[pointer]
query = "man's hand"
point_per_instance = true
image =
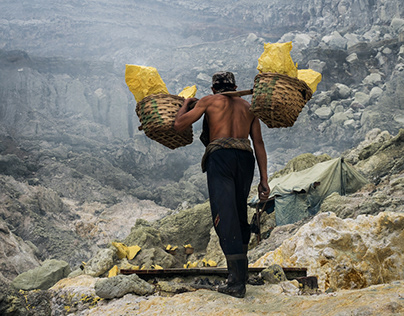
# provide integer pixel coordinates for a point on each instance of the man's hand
(185, 117)
(189, 103)
(263, 191)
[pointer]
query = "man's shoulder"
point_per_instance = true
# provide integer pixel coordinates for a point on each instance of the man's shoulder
(211, 97)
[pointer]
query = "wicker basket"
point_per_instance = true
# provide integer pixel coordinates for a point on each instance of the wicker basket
(278, 99)
(157, 115)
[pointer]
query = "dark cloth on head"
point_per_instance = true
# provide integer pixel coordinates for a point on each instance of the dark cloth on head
(223, 81)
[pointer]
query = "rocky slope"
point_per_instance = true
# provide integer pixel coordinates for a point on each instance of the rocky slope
(76, 173)
(353, 246)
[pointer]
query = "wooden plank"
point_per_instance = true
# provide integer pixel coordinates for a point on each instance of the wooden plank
(291, 273)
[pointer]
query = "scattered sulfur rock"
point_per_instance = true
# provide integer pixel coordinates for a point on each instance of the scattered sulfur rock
(167, 287)
(362, 98)
(373, 79)
(120, 285)
(375, 93)
(397, 24)
(335, 40)
(274, 274)
(290, 287)
(352, 58)
(324, 113)
(350, 123)
(343, 91)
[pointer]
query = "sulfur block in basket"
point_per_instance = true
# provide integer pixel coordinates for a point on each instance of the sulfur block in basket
(157, 115)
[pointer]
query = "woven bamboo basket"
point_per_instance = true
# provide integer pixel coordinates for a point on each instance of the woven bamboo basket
(278, 99)
(157, 115)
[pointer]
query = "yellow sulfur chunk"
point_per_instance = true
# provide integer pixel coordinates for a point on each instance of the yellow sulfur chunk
(132, 252)
(276, 58)
(311, 77)
(122, 249)
(189, 265)
(188, 92)
(113, 272)
(143, 81)
(157, 267)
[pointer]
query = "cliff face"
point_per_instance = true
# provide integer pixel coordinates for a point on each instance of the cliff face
(186, 41)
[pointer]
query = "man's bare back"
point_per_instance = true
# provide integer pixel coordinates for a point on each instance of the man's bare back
(227, 116)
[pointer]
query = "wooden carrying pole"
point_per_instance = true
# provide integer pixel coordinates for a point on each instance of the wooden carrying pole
(229, 94)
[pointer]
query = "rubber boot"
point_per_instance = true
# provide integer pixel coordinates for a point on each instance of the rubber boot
(245, 250)
(237, 278)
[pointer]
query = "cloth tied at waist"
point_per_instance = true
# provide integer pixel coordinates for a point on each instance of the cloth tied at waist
(225, 143)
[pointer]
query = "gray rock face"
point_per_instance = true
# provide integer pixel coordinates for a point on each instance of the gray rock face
(16, 256)
(120, 285)
(42, 277)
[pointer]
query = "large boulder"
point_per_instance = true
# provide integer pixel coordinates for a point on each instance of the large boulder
(345, 253)
(191, 226)
(101, 262)
(335, 40)
(42, 277)
(73, 295)
(120, 285)
(382, 157)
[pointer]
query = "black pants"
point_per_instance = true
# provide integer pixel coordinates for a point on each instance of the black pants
(230, 173)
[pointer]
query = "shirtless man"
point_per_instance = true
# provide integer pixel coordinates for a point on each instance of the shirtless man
(229, 163)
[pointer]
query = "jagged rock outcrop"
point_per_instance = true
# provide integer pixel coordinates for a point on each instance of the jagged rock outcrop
(17, 256)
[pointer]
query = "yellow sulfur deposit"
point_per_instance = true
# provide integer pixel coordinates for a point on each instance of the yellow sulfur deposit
(113, 272)
(190, 265)
(157, 267)
(311, 77)
(122, 249)
(143, 81)
(132, 252)
(276, 58)
(169, 247)
(209, 263)
(188, 92)
(125, 251)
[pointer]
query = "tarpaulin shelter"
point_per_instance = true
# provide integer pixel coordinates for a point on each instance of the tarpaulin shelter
(298, 195)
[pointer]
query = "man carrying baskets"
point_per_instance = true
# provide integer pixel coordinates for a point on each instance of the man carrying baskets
(229, 163)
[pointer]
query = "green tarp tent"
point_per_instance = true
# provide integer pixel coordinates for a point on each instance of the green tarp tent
(298, 195)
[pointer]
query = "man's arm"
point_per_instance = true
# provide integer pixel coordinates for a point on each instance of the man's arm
(261, 156)
(185, 117)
